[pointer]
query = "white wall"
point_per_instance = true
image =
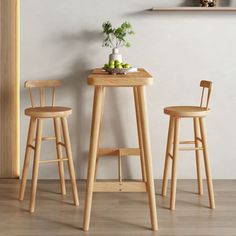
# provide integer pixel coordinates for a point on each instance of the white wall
(62, 40)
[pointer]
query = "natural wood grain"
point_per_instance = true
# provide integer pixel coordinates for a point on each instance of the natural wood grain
(36, 164)
(39, 114)
(174, 164)
(139, 129)
(94, 141)
(208, 9)
(65, 131)
(207, 164)
(197, 137)
(28, 149)
(147, 155)
(116, 214)
(101, 77)
(126, 186)
(57, 130)
(167, 158)
(48, 112)
(9, 88)
(186, 111)
(42, 83)
(197, 114)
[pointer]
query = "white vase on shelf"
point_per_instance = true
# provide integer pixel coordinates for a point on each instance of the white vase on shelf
(115, 55)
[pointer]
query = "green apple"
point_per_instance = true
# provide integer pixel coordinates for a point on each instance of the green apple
(106, 66)
(119, 66)
(111, 66)
(111, 62)
(127, 66)
(117, 62)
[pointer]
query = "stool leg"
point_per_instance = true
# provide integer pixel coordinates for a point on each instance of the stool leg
(168, 153)
(30, 141)
(70, 160)
(207, 165)
(174, 164)
(59, 154)
(94, 140)
(148, 156)
(197, 152)
(139, 129)
(36, 164)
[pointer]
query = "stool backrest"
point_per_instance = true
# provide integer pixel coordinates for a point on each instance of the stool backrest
(42, 85)
(206, 85)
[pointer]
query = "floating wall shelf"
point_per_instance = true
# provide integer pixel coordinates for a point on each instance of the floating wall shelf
(193, 9)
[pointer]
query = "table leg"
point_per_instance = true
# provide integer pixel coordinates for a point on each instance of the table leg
(96, 122)
(139, 129)
(97, 161)
(147, 156)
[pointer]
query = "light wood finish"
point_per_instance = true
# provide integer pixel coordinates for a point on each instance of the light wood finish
(59, 116)
(200, 143)
(116, 214)
(48, 112)
(28, 149)
(59, 154)
(205, 85)
(197, 138)
(139, 129)
(174, 164)
(95, 130)
(207, 165)
(117, 151)
(101, 80)
(101, 77)
(208, 9)
(52, 161)
(186, 111)
(70, 160)
(36, 165)
(120, 186)
(168, 153)
(42, 83)
(147, 156)
(9, 88)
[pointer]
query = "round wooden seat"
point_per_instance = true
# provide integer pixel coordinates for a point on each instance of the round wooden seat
(174, 145)
(186, 111)
(37, 115)
(48, 112)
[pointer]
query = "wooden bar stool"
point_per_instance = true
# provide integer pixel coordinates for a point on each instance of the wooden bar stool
(137, 80)
(197, 113)
(37, 115)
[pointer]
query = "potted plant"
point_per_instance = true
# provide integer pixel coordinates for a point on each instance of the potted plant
(116, 38)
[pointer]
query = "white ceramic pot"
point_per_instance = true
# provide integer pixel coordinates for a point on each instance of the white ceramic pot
(115, 55)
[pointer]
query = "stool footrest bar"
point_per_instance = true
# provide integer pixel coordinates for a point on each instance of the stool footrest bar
(51, 161)
(124, 186)
(49, 138)
(190, 148)
(118, 151)
(31, 146)
(62, 144)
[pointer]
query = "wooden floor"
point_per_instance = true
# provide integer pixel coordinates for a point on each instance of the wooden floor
(118, 213)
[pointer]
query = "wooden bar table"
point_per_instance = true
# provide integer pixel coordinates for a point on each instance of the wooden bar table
(100, 79)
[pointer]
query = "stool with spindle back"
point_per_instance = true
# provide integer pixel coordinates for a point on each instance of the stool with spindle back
(37, 115)
(197, 113)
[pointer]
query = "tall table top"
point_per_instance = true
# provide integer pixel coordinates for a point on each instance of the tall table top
(99, 77)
